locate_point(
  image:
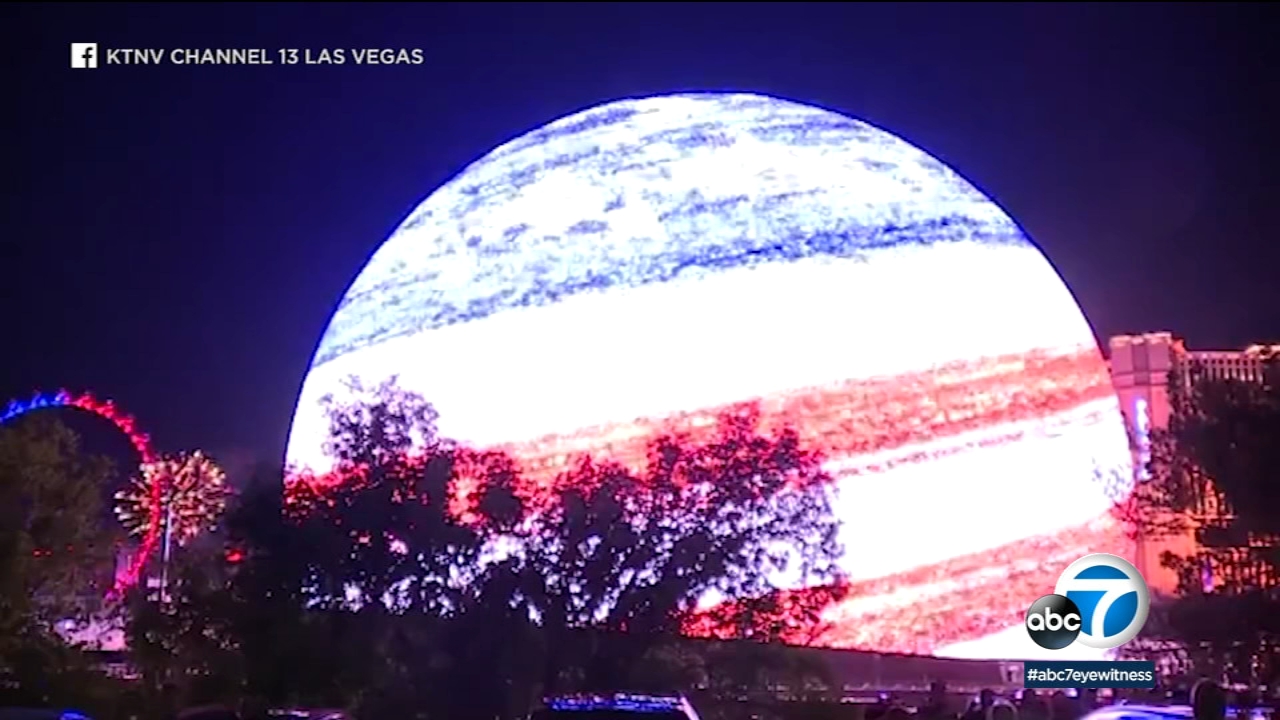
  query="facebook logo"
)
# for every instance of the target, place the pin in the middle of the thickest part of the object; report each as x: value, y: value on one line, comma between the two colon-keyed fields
x: 84, y: 55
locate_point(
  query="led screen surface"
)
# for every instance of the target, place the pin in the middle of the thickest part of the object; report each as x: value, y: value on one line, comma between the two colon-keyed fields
x: 648, y: 262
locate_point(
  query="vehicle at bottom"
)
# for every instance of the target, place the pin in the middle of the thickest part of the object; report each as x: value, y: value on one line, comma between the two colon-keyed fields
x: 1171, y: 712
x: 615, y: 706
x: 18, y: 713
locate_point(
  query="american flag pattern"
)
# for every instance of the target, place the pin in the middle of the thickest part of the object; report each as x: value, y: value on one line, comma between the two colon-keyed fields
x: 636, y: 268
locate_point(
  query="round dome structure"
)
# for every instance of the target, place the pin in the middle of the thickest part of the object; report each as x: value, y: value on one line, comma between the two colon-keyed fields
x: 651, y: 261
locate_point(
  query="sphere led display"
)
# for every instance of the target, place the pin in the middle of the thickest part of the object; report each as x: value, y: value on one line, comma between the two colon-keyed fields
x: 642, y: 265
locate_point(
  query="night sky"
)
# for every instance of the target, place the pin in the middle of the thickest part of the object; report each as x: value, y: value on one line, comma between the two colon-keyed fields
x: 176, y: 238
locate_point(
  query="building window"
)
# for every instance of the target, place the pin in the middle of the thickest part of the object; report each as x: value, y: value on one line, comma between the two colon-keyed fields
x: 1142, y: 358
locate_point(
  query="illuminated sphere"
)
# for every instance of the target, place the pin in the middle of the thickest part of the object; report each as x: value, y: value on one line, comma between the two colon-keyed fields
x: 641, y: 264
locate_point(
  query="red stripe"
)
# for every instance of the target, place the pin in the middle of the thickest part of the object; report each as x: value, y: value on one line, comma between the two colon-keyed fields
x: 850, y: 419
x: 858, y: 418
x: 861, y: 417
x: 991, y: 593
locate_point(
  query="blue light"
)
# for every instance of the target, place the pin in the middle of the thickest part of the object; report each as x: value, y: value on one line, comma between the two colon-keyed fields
x: 617, y: 702
x: 1142, y: 422
x: 106, y: 410
x: 17, y: 408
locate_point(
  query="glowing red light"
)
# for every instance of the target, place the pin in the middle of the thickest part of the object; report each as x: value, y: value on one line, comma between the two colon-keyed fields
x: 141, y: 443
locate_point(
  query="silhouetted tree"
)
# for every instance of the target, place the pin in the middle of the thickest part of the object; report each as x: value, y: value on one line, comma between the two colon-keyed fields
x: 182, y: 638
x: 618, y: 552
x: 342, y: 584
x: 413, y: 578
x: 55, y: 546
x: 1216, y: 472
x: 387, y: 536
x: 55, y: 552
x: 1157, y: 507
x: 1228, y: 430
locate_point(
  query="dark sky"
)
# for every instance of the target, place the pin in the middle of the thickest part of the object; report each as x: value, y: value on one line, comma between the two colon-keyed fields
x: 176, y: 238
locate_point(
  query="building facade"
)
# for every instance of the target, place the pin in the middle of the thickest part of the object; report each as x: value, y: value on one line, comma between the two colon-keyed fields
x: 1141, y: 369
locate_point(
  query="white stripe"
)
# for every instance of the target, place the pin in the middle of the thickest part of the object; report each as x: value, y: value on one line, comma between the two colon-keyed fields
x: 647, y: 352
x: 923, y: 513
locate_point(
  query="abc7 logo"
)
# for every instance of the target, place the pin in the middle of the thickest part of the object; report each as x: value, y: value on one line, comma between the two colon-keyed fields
x: 1053, y: 622
x: 1116, y: 597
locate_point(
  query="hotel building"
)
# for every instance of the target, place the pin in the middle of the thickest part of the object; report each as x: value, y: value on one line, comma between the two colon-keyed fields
x: 1140, y: 370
